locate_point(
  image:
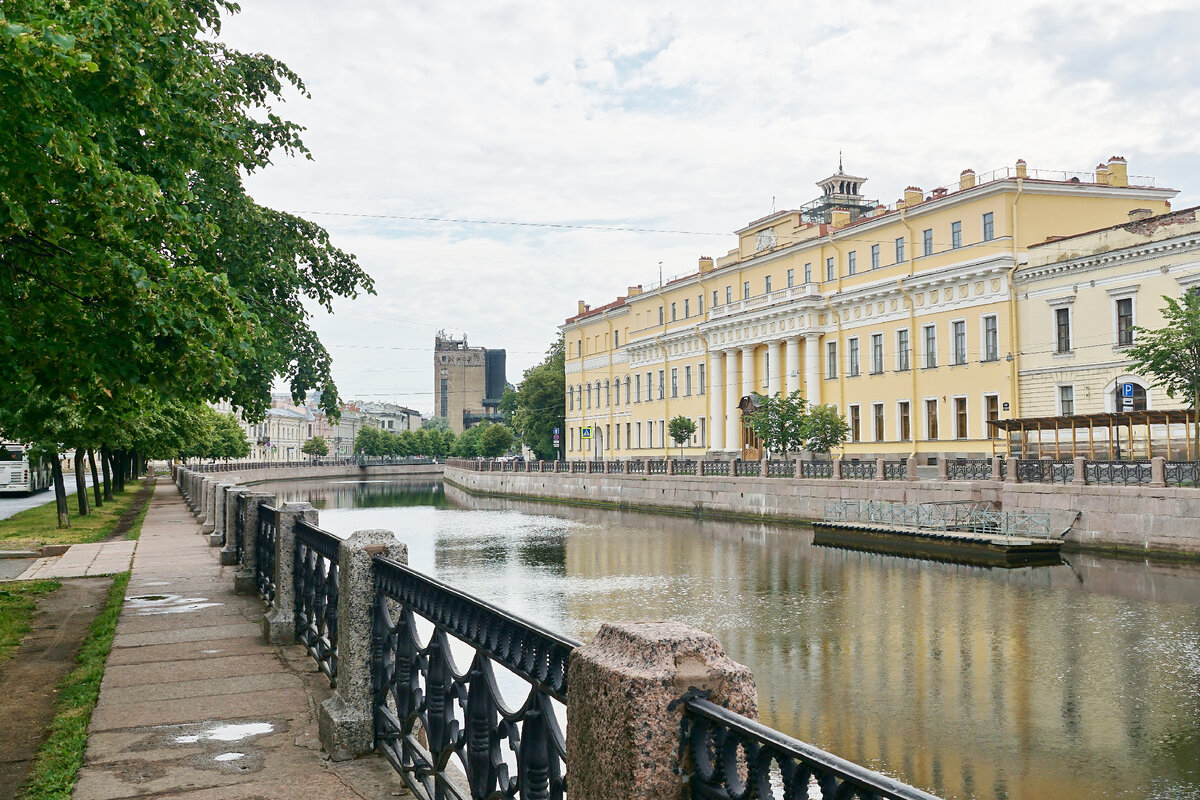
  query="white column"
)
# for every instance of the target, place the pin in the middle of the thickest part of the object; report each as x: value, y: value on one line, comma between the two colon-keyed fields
x: 812, y: 368
x: 792, y: 370
x: 774, y: 368
x: 747, y: 370
x: 732, y: 440
x: 716, y: 399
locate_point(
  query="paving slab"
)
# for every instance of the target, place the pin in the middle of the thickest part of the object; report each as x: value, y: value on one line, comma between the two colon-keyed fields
x: 83, y: 560
x: 194, y: 704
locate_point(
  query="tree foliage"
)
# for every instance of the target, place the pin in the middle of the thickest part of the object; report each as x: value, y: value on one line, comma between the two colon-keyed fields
x: 824, y: 429
x: 539, y: 404
x: 779, y: 422
x: 315, y: 446
x: 1171, y: 354
x: 137, y: 277
x: 681, y: 429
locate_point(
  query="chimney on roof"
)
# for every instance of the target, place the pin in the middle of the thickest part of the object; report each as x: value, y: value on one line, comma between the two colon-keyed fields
x: 706, y: 264
x: 1022, y: 171
x: 966, y: 179
x: 633, y: 291
x: 1102, y: 174
x: 583, y: 307
x: 839, y: 217
x: 913, y: 195
x: 1118, y: 171
x: 1139, y: 214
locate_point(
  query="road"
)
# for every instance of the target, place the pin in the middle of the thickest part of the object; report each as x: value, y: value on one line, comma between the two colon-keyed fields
x: 11, y: 504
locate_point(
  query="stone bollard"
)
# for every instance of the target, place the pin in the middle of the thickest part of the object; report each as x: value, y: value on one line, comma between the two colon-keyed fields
x: 762, y: 467
x: 996, y: 475
x: 622, y: 720
x: 910, y: 469
x: 1012, y: 471
x: 625, y: 466
x: 279, y: 624
x: 670, y: 466
x: 798, y: 474
x: 220, y: 495
x: 229, y: 551
x: 245, y: 579
x: 346, y: 721
x: 1080, y: 466
x: 646, y: 467
x: 837, y: 469
x: 210, y: 512
x: 879, y: 469
x: 943, y: 468
x: 1158, y: 471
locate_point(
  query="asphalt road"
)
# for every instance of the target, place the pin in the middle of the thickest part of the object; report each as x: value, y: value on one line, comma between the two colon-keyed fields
x: 12, y: 503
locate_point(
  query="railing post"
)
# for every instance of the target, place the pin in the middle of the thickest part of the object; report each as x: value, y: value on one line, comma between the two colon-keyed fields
x: 646, y: 467
x: 1047, y: 469
x: 346, y: 721
x: 1012, y: 471
x: 799, y: 474
x: 1080, y: 467
x: 217, y: 537
x: 623, y: 721
x: 910, y: 469
x: 625, y: 466
x: 943, y: 467
x: 670, y: 466
x: 996, y: 474
x: 879, y: 469
x: 207, y: 516
x: 279, y: 624
x: 837, y: 469
x: 1158, y: 471
x: 229, y: 551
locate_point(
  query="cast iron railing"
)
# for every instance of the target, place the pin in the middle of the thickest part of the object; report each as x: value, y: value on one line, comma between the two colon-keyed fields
x: 239, y: 531
x: 816, y: 469
x: 716, y: 468
x: 1182, y: 473
x: 1062, y: 471
x: 781, y: 468
x: 969, y: 469
x: 895, y: 470
x: 747, y: 469
x: 965, y: 516
x: 656, y: 467
x: 685, y: 466
x: 732, y: 756
x: 315, y: 572
x: 861, y: 470
x: 595, y: 467
x: 264, y: 545
x: 615, y: 467
x: 1135, y: 473
x: 1033, y: 470
x: 637, y: 466
x: 427, y: 711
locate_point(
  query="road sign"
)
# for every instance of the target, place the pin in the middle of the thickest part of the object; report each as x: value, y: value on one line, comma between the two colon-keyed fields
x: 1126, y: 402
x: 1126, y: 390
x: 556, y: 431
x: 1006, y: 406
x: 585, y: 433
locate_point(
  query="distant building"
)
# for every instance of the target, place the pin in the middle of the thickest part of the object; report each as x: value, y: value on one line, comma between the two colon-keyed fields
x: 468, y: 382
x: 391, y: 417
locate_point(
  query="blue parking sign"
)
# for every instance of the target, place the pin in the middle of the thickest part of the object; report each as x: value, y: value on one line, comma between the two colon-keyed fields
x: 1126, y: 390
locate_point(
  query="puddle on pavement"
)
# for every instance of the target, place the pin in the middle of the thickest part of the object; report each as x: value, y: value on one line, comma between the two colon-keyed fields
x: 151, y: 604
x: 228, y: 756
x: 229, y: 732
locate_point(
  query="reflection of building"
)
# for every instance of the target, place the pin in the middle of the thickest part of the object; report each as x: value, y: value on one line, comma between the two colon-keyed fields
x: 903, y: 317
x: 468, y: 382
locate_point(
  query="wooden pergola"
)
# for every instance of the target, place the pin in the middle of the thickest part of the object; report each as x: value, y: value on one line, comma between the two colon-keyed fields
x: 1112, y: 435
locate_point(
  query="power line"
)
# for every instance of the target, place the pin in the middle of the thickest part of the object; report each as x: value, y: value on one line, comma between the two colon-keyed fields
x: 511, y: 223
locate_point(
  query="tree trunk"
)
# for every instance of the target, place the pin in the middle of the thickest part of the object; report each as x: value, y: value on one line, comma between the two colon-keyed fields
x: 120, y: 464
x: 95, y: 478
x: 106, y: 466
x: 60, y: 493
x: 81, y: 483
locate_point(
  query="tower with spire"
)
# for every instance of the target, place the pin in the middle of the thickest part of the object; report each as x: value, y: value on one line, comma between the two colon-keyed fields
x: 839, y: 190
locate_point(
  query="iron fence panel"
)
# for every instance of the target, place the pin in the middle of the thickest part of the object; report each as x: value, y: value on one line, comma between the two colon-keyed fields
x: 1136, y: 473
x: 684, y: 466
x: 716, y: 468
x: 264, y: 570
x: 781, y: 468
x: 895, y: 470
x: 315, y: 568
x: 816, y: 469
x: 861, y: 470
x: 969, y: 469
x: 1182, y: 473
x: 747, y: 469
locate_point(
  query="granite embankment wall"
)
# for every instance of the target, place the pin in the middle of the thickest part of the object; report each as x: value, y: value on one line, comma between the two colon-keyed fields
x: 1132, y: 519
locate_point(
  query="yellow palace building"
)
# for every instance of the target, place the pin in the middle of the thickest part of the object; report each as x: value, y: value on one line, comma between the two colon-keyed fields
x: 905, y: 317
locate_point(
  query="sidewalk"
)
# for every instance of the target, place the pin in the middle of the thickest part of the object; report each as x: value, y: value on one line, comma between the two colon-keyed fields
x: 194, y: 704
x: 82, y: 560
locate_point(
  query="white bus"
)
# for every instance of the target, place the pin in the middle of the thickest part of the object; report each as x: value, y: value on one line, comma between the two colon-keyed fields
x: 18, y: 474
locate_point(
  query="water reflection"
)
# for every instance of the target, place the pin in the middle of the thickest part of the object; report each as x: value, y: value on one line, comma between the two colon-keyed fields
x: 1081, y: 680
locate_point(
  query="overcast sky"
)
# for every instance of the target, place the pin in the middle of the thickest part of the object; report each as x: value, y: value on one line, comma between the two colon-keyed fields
x: 685, y: 119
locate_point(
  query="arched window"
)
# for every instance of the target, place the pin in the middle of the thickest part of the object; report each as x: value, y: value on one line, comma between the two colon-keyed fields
x: 1132, y: 399
x: 626, y: 392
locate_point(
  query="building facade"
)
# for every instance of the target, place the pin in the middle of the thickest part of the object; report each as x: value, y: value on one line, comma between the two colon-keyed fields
x: 904, y: 317
x: 468, y: 382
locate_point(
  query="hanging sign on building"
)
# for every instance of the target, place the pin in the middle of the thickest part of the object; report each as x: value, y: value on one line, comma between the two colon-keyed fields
x: 585, y: 433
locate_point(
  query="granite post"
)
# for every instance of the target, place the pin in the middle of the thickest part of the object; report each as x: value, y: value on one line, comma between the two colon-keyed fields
x: 996, y: 473
x: 910, y: 469
x: 220, y: 515
x: 943, y: 466
x: 879, y: 469
x: 622, y: 721
x: 1080, y: 466
x: 1158, y: 471
x: 837, y: 469
x: 279, y: 624
x: 209, y: 517
x: 245, y: 579
x: 346, y: 721
x: 1012, y: 476
x: 229, y: 551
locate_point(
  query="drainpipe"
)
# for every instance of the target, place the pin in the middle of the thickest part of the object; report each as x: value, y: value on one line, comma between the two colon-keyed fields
x: 837, y: 262
x: 912, y: 333
x: 1014, y: 366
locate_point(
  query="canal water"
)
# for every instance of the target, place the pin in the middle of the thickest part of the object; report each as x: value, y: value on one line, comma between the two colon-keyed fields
x: 1074, y: 681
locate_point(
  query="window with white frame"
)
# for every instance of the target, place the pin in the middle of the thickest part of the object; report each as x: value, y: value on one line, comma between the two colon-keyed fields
x: 687, y: 381
x: 874, y: 256
x: 728, y: 294
x: 745, y: 290
x: 876, y: 353
x: 808, y: 272
x: 902, y: 350
x: 900, y: 250
x: 931, y: 419
x: 855, y: 423
x: 1066, y: 400
x: 687, y: 308
x: 930, y: 334
x: 767, y: 285
x: 637, y: 388
x: 1123, y: 315
x: 674, y: 382
x: 852, y: 262
x: 927, y: 241
x: 702, y: 378
x: 989, y: 226
x: 991, y: 341
x: 829, y: 268
x: 956, y: 234
x: 959, y: 329
x: 1062, y: 329
x: 903, y: 421
x: 831, y: 360
x: 662, y: 384
x: 791, y: 278
x: 960, y: 418
x: 877, y: 417
x: 852, y: 365
x: 991, y: 410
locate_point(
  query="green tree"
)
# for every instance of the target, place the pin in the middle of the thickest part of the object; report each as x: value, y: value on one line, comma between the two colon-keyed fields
x: 681, y: 429
x: 315, y: 446
x: 466, y: 444
x: 371, y: 441
x: 779, y: 422
x: 824, y: 429
x: 1171, y: 354
x: 229, y: 439
x: 435, y: 424
x: 494, y: 439
x: 540, y: 403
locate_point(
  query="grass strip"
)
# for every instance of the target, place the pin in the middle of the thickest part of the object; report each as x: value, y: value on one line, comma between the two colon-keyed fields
x: 53, y: 776
x: 136, y: 530
x: 18, y: 603
x: 34, y: 527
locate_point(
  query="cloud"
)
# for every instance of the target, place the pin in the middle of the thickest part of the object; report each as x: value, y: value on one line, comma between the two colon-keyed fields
x: 671, y: 116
